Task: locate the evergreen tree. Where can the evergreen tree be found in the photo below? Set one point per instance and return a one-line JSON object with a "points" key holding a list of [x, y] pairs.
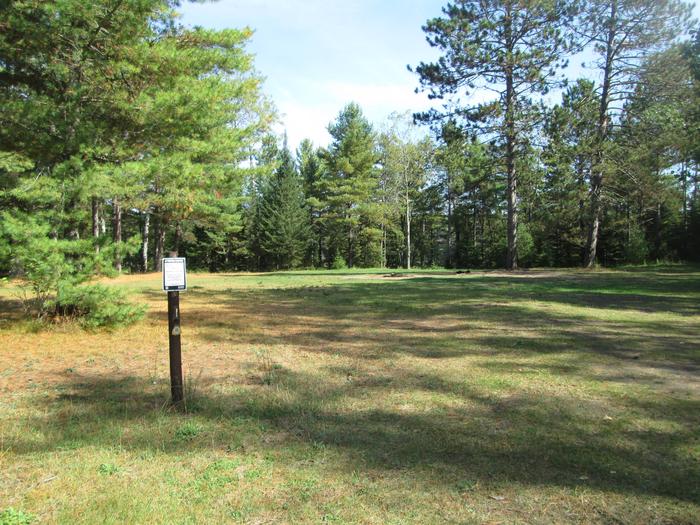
{"points": [[311, 171], [623, 33], [267, 162], [428, 238], [690, 176], [110, 107], [351, 216], [650, 156], [284, 219], [560, 216], [473, 193], [511, 46]]}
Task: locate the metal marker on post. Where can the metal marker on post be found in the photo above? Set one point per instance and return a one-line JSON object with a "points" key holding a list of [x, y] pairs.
{"points": [[175, 280]]}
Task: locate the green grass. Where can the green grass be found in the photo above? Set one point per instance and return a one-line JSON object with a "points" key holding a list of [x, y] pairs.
{"points": [[360, 397]]}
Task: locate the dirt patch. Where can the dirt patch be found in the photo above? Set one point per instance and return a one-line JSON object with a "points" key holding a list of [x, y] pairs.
{"points": [[664, 377]]}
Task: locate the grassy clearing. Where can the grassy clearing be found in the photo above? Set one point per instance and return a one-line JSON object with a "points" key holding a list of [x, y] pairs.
{"points": [[355, 397]]}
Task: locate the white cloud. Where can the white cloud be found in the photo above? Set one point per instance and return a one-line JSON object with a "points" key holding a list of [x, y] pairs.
{"points": [[379, 98], [302, 121], [308, 116], [306, 113]]}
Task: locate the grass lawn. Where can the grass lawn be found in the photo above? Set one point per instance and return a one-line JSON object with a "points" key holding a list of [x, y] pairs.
{"points": [[351, 397]]}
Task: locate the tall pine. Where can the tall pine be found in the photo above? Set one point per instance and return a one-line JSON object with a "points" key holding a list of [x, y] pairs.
{"points": [[349, 185], [513, 47], [623, 33]]}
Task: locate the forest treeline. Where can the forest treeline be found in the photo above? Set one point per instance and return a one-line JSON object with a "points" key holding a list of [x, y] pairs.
{"points": [[126, 136]]}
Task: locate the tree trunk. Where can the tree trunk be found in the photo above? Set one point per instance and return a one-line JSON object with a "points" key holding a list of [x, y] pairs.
{"points": [[117, 234], [512, 188], [423, 237], [144, 250], [320, 250], [684, 188], [408, 233], [351, 247], [178, 239], [160, 247], [458, 241], [511, 194], [594, 226], [658, 231], [96, 223], [629, 225], [383, 245], [477, 236], [602, 134], [448, 262], [482, 235]]}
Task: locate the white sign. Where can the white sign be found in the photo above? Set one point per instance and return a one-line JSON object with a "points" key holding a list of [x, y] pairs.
{"points": [[174, 274]]}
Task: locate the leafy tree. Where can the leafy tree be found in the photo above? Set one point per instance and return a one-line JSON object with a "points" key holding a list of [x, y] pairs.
{"points": [[405, 162]]}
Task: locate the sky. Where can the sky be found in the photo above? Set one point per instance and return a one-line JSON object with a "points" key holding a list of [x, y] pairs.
{"points": [[318, 55]]}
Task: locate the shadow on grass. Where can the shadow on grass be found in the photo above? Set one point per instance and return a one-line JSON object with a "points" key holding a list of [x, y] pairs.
{"points": [[492, 440], [446, 317], [10, 309], [494, 437]]}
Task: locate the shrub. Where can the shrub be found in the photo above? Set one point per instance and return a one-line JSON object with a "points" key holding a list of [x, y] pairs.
{"points": [[188, 431], [339, 263], [96, 306], [108, 469], [51, 269]]}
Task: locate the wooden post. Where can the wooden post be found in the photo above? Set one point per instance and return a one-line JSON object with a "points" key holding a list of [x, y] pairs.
{"points": [[175, 348]]}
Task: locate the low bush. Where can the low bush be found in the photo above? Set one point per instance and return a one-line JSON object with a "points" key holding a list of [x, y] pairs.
{"points": [[96, 306], [339, 263]]}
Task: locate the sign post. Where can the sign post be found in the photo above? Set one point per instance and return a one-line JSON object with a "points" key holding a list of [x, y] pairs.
{"points": [[175, 280]]}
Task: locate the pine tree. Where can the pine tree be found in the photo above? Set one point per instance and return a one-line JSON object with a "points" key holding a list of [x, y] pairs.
{"points": [[284, 219], [652, 148], [623, 33], [560, 216], [510, 46], [311, 171], [110, 107], [468, 180], [350, 213]]}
